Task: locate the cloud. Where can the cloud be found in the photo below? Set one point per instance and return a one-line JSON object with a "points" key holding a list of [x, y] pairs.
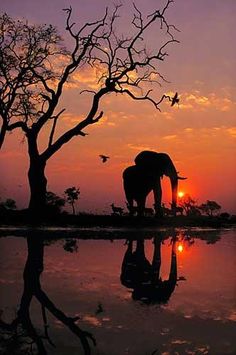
{"points": [[219, 132], [196, 101], [11, 154], [71, 118], [170, 137], [231, 131], [138, 147], [167, 115], [87, 76]]}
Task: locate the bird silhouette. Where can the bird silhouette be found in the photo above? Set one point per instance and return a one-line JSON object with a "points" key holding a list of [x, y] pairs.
{"points": [[175, 99], [99, 309], [104, 158]]}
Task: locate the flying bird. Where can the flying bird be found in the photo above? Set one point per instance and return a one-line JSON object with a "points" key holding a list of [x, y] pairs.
{"points": [[175, 99], [104, 158], [99, 309]]}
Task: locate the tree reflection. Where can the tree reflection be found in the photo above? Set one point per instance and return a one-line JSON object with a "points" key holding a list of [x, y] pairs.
{"points": [[144, 277], [21, 330]]}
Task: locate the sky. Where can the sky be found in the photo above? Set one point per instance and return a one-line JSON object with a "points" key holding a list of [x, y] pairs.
{"points": [[199, 134]]}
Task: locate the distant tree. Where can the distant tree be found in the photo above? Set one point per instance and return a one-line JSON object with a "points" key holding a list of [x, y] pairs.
{"points": [[189, 205], [71, 245], [72, 195], [54, 203], [233, 218], [35, 67], [210, 208], [225, 215], [8, 204]]}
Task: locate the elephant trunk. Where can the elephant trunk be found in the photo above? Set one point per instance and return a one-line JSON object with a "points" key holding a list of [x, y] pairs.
{"points": [[174, 188]]}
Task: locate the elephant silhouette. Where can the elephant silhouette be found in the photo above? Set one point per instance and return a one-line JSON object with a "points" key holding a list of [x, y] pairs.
{"points": [[135, 267], [143, 277], [145, 176]]}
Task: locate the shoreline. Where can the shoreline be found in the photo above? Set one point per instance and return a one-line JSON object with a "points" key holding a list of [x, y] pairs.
{"points": [[83, 220], [111, 226]]}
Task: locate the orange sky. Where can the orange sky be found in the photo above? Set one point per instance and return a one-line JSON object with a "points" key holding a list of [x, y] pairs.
{"points": [[199, 134]]}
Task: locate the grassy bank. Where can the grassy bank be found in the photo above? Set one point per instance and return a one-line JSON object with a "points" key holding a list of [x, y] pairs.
{"points": [[20, 218]]}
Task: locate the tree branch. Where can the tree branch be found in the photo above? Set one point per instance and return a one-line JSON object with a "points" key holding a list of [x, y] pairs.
{"points": [[18, 124], [77, 130], [145, 97], [55, 118], [125, 62]]}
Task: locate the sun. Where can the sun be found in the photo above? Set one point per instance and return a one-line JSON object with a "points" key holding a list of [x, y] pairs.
{"points": [[180, 248], [181, 194]]}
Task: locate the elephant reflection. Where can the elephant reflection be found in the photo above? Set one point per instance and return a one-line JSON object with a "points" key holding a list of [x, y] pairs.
{"points": [[32, 288], [145, 176], [143, 277]]}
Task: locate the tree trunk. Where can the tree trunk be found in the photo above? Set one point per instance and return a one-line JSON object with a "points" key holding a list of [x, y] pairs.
{"points": [[73, 208], [38, 186], [174, 188], [3, 131]]}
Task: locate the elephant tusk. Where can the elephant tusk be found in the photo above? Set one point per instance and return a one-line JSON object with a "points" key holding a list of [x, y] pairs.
{"points": [[181, 178]]}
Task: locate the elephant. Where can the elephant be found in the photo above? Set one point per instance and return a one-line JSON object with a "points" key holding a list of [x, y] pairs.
{"points": [[145, 176], [144, 277]]}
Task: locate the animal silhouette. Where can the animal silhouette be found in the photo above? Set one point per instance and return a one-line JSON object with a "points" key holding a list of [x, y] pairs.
{"points": [[175, 99], [104, 158], [170, 212], [179, 209], [148, 211], [135, 267], [145, 176], [143, 277], [166, 211], [116, 209]]}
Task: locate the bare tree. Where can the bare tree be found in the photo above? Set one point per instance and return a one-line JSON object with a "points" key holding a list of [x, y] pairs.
{"points": [[21, 330], [35, 66]]}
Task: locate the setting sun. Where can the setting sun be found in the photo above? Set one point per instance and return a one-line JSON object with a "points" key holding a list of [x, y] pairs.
{"points": [[180, 248], [180, 194]]}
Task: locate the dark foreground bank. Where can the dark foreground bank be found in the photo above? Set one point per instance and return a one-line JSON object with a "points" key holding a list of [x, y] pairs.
{"points": [[20, 218]]}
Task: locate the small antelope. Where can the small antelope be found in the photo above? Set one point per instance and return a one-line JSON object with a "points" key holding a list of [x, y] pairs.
{"points": [[148, 211], [179, 209], [117, 210], [166, 211], [134, 210]]}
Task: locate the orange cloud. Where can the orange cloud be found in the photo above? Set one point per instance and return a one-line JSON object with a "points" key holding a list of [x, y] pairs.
{"points": [[170, 137], [86, 76], [231, 131], [196, 101], [138, 147]]}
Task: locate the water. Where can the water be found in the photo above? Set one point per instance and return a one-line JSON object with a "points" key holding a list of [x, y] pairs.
{"points": [[140, 308]]}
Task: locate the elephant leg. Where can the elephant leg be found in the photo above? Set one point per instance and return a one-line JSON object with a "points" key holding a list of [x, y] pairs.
{"points": [[156, 260], [157, 192], [130, 204], [141, 206]]}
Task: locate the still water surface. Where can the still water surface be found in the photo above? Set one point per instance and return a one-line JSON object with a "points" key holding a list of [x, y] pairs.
{"points": [[167, 293]]}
